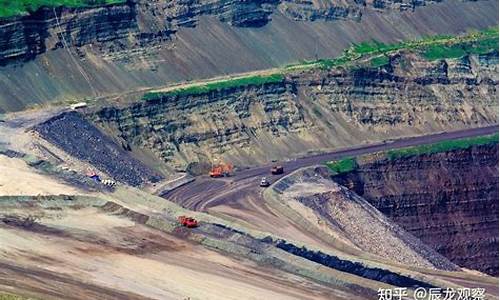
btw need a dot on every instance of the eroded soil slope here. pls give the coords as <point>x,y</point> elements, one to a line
<point>87,250</point>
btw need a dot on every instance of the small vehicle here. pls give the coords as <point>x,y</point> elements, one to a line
<point>264,182</point>
<point>187,222</point>
<point>276,170</point>
<point>78,105</point>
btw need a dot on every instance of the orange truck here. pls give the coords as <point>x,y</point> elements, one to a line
<point>221,170</point>
<point>188,222</point>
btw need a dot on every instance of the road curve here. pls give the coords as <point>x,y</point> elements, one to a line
<point>206,192</point>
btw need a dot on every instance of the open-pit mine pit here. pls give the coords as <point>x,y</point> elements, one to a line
<point>248,149</point>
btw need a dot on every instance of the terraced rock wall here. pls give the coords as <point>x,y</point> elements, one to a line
<point>118,50</point>
<point>25,37</point>
<point>309,197</point>
<point>311,110</point>
<point>449,200</point>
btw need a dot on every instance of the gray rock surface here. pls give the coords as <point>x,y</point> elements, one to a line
<point>119,50</point>
<point>311,110</point>
<point>79,138</point>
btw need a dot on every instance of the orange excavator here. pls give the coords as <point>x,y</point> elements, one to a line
<point>188,222</point>
<point>221,170</point>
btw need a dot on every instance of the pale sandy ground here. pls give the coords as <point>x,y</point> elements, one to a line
<point>94,253</point>
<point>115,253</point>
<point>16,178</point>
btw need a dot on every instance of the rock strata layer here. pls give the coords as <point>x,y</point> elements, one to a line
<point>311,110</point>
<point>449,200</point>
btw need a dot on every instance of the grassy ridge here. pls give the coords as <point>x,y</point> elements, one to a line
<point>483,46</point>
<point>375,53</point>
<point>379,61</point>
<point>350,164</point>
<point>432,47</point>
<point>222,84</point>
<point>9,8</point>
<point>442,146</point>
<point>343,166</point>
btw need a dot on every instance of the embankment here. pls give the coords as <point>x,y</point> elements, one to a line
<point>330,211</point>
<point>448,199</point>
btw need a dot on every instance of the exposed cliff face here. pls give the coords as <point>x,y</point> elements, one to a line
<point>119,49</point>
<point>334,10</point>
<point>236,13</point>
<point>49,29</point>
<point>409,87</point>
<point>449,200</point>
<point>311,110</point>
<point>216,123</point>
<point>149,22</point>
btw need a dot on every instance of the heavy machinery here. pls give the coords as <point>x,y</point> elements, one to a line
<point>187,222</point>
<point>221,170</point>
<point>276,170</point>
<point>78,105</point>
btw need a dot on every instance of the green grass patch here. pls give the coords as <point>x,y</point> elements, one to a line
<point>458,50</point>
<point>335,62</point>
<point>484,46</point>
<point>343,166</point>
<point>219,85</point>
<point>350,164</point>
<point>365,47</point>
<point>374,47</point>
<point>13,297</point>
<point>379,61</point>
<point>431,47</point>
<point>9,8</point>
<point>443,51</point>
<point>443,146</point>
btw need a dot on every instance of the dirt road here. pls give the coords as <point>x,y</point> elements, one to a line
<point>206,192</point>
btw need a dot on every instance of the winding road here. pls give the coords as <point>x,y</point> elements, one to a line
<point>206,192</point>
